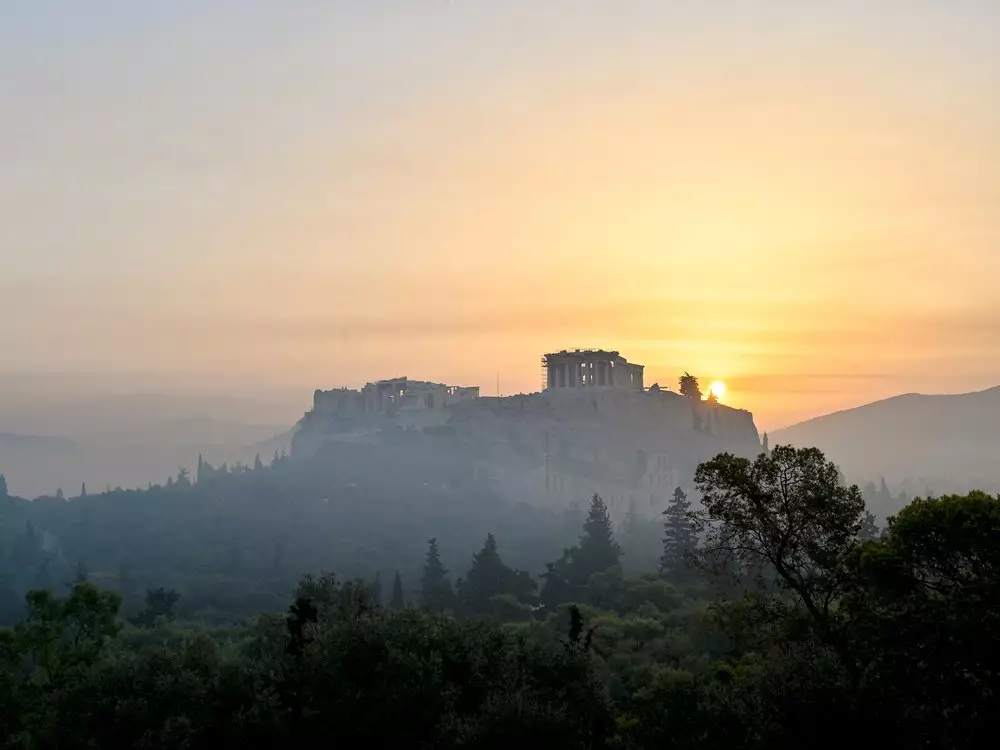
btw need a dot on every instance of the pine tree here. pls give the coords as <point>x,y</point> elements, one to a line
<point>200,474</point>
<point>597,550</point>
<point>489,577</point>
<point>257,463</point>
<point>398,601</point>
<point>766,444</point>
<point>435,589</point>
<point>60,494</point>
<point>83,490</point>
<point>679,538</point>
<point>3,486</point>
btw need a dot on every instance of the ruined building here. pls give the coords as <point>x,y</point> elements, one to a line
<point>590,368</point>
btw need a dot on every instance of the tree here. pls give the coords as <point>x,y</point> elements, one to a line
<point>159,603</point>
<point>869,529</point>
<point>83,490</point>
<point>679,538</point>
<point>3,486</point>
<point>257,463</point>
<point>489,577</point>
<point>927,603</point>
<point>689,387</point>
<point>766,444</point>
<point>597,550</point>
<point>435,589</point>
<point>60,495</point>
<point>398,601</point>
<point>788,512</point>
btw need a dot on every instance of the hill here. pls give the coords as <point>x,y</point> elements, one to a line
<point>945,443</point>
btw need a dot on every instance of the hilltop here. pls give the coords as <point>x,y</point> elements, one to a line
<point>916,441</point>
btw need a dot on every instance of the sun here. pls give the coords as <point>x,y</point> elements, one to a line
<point>717,389</point>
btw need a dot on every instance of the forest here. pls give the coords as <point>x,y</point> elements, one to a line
<point>351,605</point>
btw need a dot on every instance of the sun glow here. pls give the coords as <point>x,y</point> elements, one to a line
<point>717,389</point>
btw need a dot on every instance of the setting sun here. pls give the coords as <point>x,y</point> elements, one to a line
<point>718,389</point>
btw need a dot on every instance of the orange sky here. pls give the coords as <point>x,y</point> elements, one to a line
<point>804,203</point>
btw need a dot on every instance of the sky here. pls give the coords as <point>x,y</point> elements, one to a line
<point>799,198</point>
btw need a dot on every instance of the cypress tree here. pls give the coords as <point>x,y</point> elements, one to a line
<point>397,601</point>
<point>679,539</point>
<point>489,577</point>
<point>257,463</point>
<point>435,589</point>
<point>3,486</point>
<point>597,550</point>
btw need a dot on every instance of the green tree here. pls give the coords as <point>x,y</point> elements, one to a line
<point>488,578</point>
<point>436,593</point>
<point>597,550</point>
<point>927,603</point>
<point>679,538</point>
<point>786,512</point>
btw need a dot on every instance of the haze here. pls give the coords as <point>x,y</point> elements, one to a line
<point>263,198</point>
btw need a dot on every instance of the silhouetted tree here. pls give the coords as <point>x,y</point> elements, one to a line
<point>398,601</point>
<point>60,494</point>
<point>597,550</point>
<point>3,486</point>
<point>257,463</point>
<point>679,538</point>
<point>489,577</point>
<point>766,444</point>
<point>435,589</point>
<point>689,387</point>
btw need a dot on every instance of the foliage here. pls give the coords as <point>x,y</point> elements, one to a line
<point>834,632</point>
<point>436,593</point>
<point>680,540</point>
<point>688,387</point>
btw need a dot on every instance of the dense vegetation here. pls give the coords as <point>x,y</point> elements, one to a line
<point>773,614</point>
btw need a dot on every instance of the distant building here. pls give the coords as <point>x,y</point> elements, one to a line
<point>590,368</point>
<point>389,397</point>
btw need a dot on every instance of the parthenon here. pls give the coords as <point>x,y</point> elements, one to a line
<point>586,368</point>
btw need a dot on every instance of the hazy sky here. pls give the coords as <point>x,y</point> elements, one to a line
<point>801,198</point>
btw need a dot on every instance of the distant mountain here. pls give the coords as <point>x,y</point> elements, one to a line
<point>130,454</point>
<point>917,442</point>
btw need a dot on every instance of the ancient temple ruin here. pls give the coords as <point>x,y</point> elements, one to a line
<point>590,368</point>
